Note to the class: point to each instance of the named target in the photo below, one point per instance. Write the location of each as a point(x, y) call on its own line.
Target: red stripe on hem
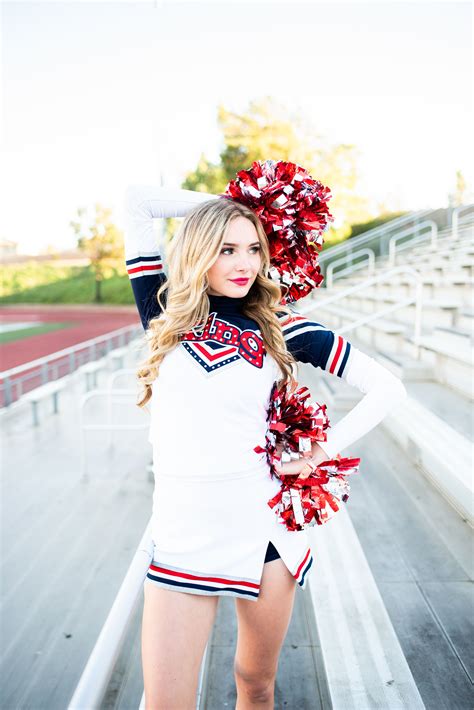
point(186, 575)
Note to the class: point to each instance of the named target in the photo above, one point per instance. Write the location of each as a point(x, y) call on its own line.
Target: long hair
point(192, 252)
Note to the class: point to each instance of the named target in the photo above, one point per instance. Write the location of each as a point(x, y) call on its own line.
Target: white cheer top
point(211, 397)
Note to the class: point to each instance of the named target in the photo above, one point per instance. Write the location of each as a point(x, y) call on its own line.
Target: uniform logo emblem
point(219, 343)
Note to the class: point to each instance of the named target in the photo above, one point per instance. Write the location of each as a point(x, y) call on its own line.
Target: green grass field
point(13, 335)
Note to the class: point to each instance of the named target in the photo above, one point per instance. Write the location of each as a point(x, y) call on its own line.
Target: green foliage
point(361, 227)
point(46, 283)
point(459, 196)
point(101, 241)
point(207, 177)
point(21, 277)
point(266, 129)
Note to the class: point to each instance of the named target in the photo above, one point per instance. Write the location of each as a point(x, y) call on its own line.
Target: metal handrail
point(40, 366)
point(110, 386)
point(379, 235)
point(109, 393)
point(455, 217)
point(329, 279)
point(354, 267)
point(95, 678)
point(445, 245)
point(392, 245)
point(417, 299)
point(371, 234)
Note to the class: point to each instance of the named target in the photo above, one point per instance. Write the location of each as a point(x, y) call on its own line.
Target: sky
point(99, 95)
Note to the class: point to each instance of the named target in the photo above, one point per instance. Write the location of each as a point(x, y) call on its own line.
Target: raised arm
point(143, 203)
point(312, 342)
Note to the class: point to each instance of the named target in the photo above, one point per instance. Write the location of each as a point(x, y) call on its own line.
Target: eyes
point(256, 248)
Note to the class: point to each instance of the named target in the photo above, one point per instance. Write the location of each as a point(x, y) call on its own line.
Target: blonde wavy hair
point(192, 252)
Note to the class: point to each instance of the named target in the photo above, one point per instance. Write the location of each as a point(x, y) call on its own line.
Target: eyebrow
point(230, 244)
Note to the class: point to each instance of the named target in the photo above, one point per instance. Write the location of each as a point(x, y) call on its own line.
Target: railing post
point(418, 314)
point(44, 373)
point(7, 388)
point(455, 222)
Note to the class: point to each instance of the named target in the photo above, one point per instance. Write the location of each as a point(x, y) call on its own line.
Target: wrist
point(318, 454)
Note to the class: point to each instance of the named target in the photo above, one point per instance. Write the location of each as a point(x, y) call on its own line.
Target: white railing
point(416, 298)
point(463, 227)
point(393, 244)
point(63, 362)
point(378, 233)
point(369, 262)
point(455, 217)
point(378, 238)
point(95, 678)
point(111, 380)
point(109, 425)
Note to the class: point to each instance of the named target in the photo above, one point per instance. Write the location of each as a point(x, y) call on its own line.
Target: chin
point(234, 290)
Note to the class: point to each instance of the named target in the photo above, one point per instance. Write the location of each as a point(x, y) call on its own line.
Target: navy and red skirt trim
point(193, 582)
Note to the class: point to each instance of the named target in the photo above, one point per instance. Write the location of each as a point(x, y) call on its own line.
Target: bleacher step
point(444, 455)
point(365, 664)
point(452, 407)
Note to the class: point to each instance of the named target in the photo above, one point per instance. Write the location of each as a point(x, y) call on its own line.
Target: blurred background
point(375, 100)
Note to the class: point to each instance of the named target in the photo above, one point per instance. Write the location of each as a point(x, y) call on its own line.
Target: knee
point(258, 686)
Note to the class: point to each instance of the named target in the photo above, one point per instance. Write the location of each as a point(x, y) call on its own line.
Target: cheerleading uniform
point(211, 524)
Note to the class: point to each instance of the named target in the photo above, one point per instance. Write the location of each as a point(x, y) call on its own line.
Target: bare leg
point(262, 628)
point(175, 630)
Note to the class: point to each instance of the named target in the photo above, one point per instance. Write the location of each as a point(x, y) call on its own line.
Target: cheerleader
point(219, 336)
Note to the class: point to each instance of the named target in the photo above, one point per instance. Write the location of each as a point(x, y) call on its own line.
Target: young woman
point(218, 339)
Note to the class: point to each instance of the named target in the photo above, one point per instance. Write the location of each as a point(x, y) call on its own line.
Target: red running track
point(88, 322)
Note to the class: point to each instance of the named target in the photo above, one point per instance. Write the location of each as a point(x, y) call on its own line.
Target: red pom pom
point(292, 207)
point(294, 423)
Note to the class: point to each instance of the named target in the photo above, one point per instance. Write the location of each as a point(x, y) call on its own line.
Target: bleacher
point(386, 619)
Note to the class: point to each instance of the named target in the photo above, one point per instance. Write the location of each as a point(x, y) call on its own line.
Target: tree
point(459, 196)
point(100, 240)
point(266, 129)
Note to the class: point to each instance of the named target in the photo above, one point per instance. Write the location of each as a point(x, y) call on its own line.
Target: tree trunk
point(98, 293)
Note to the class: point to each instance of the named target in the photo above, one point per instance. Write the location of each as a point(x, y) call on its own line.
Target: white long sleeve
point(384, 391)
point(143, 203)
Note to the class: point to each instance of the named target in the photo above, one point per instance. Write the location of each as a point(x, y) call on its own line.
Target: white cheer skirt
point(210, 535)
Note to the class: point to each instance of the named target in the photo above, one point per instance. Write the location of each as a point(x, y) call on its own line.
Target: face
point(239, 260)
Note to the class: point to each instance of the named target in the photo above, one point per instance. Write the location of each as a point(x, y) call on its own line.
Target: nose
point(244, 264)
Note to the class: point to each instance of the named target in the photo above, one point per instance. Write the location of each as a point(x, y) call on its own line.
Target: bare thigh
point(262, 625)
point(175, 630)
